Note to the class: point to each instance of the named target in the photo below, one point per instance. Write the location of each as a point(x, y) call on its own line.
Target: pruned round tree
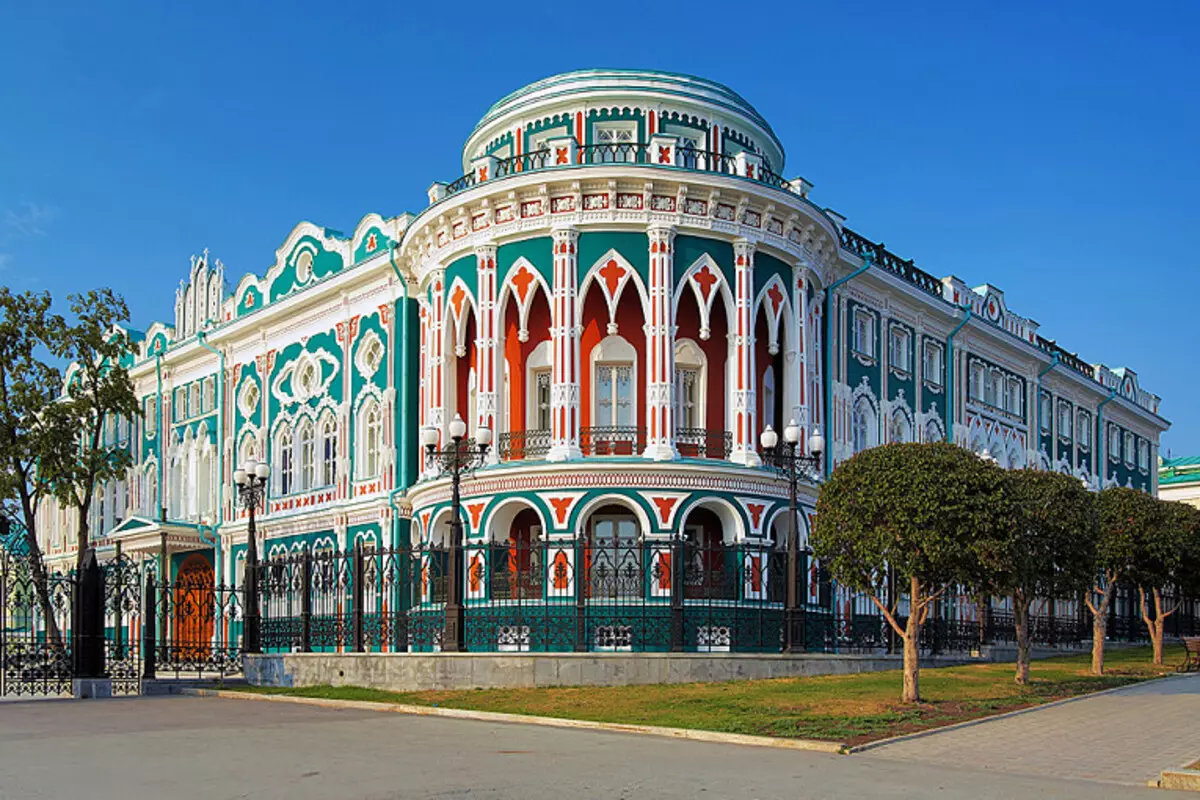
point(920, 510)
point(1049, 551)
point(1163, 568)
point(1127, 517)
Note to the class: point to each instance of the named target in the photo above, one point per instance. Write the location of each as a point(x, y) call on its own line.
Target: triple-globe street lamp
point(460, 458)
point(790, 465)
point(251, 481)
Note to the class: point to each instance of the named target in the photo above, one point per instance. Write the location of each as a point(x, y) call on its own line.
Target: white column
point(564, 335)
point(660, 347)
point(485, 344)
point(804, 414)
point(745, 415)
point(436, 346)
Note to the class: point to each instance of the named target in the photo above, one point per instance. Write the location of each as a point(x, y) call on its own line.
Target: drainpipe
point(1041, 375)
point(158, 427)
point(1101, 464)
point(203, 341)
point(828, 376)
point(950, 398)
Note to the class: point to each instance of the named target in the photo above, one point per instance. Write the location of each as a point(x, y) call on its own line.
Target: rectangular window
point(863, 341)
point(151, 422)
point(1083, 429)
point(1064, 420)
point(179, 412)
point(614, 395)
point(616, 143)
point(687, 402)
point(931, 367)
point(1045, 413)
point(1143, 455)
point(1129, 441)
point(975, 389)
point(1013, 402)
point(541, 399)
point(898, 349)
point(1114, 443)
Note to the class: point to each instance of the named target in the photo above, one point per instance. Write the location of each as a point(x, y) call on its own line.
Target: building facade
point(1179, 479)
point(626, 291)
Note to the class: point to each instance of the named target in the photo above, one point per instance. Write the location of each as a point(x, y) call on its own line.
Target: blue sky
point(1047, 148)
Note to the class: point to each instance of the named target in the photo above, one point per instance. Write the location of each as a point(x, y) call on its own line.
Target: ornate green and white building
point(625, 288)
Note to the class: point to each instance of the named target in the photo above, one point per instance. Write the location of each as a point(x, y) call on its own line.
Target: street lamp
point(251, 482)
point(790, 465)
point(461, 458)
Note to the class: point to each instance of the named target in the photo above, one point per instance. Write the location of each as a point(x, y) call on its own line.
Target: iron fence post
point(359, 594)
point(675, 570)
point(306, 603)
point(581, 578)
point(89, 619)
point(149, 631)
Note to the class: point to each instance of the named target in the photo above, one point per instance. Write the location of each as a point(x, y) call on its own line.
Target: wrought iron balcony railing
point(520, 445)
point(612, 440)
point(703, 443)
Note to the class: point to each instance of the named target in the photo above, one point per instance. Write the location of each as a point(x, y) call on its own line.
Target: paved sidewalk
point(1127, 736)
point(210, 749)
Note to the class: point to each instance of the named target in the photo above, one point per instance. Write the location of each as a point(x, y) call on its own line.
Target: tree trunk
point(912, 639)
point(81, 541)
point(1021, 621)
point(1155, 624)
point(37, 571)
point(1156, 630)
point(1099, 631)
point(1100, 622)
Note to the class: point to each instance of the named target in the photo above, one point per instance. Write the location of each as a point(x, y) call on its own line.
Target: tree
point(1048, 551)
point(1161, 564)
point(98, 394)
point(920, 509)
point(28, 436)
point(1126, 515)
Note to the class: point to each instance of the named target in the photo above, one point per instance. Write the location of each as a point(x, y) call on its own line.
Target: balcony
point(612, 440)
point(522, 445)
point(703, 443)
point(661, 151)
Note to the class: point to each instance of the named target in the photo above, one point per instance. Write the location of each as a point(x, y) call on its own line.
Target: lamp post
point(251, 481)
point(461, 458)
point(790, 465)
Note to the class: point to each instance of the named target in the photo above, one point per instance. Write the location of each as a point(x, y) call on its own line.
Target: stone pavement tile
point(1127, 736)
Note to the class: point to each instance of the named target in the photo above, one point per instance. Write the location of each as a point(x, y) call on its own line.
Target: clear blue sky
point(1050, 149)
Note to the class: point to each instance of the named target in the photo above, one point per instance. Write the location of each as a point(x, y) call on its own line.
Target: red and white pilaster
point(564, 335)
point(485, 343)
point(660, 347)
point(745, 416)
point(435, 393)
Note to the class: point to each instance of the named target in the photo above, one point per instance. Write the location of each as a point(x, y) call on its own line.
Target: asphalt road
point(209, 748)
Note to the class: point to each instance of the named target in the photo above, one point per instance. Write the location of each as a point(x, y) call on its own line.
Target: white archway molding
point(707, 282)
point(776, 526)
point(733, 526)
point(522, 284)
point(611, 274)
point(499, 520)
point(584, 513)
point(775, 299)
point(460, 309)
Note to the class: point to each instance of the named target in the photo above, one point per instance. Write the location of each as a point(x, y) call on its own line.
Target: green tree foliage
point(1049, 551)
point(1126, 518)
point(98, 393)
point(1163, 566)
point(28, 435)
point(920, 510)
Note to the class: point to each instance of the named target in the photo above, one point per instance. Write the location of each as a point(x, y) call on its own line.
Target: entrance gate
point(35, 630)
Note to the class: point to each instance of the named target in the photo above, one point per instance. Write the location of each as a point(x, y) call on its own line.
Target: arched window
point(328, 449)
point(150, 496)
point(769, 399)
point(307, 438)
point(247, 450)
point(933, 431)
point(285, 480)
point(901, 429)
point(690, 385)
point(615, 383)
point(204, 483)
point(863, 427)
point(371, 442)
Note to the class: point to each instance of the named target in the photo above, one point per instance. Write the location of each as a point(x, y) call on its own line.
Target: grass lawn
point(846, 708)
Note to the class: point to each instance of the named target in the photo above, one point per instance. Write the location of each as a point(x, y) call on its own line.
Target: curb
point(1187, 780)
point(521, 719)
point(862, 748)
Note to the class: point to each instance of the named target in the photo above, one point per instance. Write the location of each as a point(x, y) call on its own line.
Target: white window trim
point(689, 355)
point(540, 360)
point(614, 351)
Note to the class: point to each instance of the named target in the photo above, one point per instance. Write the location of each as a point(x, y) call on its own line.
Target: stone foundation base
point(91, 688)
